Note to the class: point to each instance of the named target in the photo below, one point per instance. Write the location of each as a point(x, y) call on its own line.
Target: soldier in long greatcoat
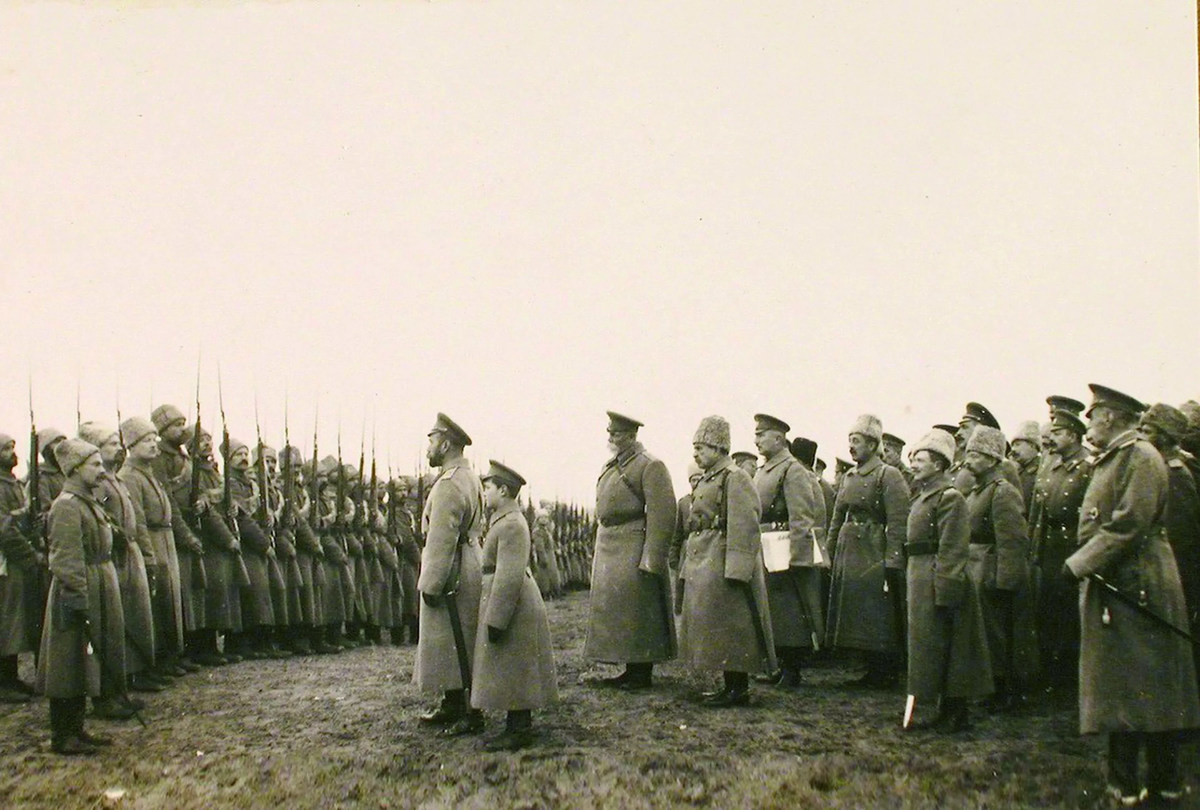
point(725, 623)
point(151, 499)
point(792, 502)
point(224, 567)
point(1054, 527)
point(1137, 679)
point(450, 581)
point(22, 562)
point(1000, 557)
point(173, 468)
point(258, 552)
point(129, 537)
point(1164, 426)
point(514, 658)
point(83, 632)
point(334, 561)
point(947, 643)
point(866, 542)
point(630, 609)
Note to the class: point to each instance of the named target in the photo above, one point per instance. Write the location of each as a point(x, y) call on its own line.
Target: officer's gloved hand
point(496, 634)
point(430, 599)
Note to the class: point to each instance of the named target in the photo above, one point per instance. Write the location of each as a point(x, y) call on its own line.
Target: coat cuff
point(739, 565)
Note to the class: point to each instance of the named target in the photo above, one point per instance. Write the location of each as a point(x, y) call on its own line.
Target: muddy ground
point(340, 731)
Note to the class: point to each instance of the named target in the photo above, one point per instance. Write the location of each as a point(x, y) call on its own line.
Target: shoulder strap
point(641, 498)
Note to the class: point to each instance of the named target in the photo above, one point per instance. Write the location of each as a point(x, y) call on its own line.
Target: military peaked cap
point(503, 474)
point(843, 465)
point(978, 413)
point(450, 429)
point(619, 423)
point(1058, 402)
point(891, 438)
point(744, 455)
point(1110, 398)
point(951, 429)
point(764, 422)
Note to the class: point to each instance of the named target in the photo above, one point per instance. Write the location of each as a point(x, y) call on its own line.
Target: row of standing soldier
point(210, 566)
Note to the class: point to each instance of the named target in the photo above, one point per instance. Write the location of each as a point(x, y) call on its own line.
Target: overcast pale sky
point(526, 213)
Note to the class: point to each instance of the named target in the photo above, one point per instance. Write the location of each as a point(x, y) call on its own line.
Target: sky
point(527, 213)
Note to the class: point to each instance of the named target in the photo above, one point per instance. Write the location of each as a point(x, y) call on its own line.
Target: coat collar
point(988, 477)
point(867, 467)
point(75, 487)
point(784, 455)
point(623, 458)
point(1119, 442)
point(724, 464)
point(506, 509)
point(935, 487)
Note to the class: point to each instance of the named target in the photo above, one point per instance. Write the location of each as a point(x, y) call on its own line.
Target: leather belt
point(608, 523)
point(157, 526)
point(919, 549)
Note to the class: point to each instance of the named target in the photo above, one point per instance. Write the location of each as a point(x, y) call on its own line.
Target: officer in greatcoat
point(1137, 679)
point(866, 542)
point(947, 643)
point(1000, 557)
point(630, 612)
point(725, 622)
point(1164, 426)
point(514, 657)
point(83, 632)
point(1054, 527)
point(792, 502)
point(450, 581)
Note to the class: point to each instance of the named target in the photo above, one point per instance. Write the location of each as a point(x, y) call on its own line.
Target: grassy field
point(340, 731)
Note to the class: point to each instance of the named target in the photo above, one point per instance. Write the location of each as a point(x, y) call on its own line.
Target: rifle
point(374, 483)
point(264, 502)
point(360, 518)
point(34, 515)
point(285, 515)
point(194, 454)
point(314, 516)
point(339, 507)
point(226, 469)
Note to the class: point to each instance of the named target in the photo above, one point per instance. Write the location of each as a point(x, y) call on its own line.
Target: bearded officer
point(792, 502)
point(451, 580)
point(630, 621)
point(1137, 679)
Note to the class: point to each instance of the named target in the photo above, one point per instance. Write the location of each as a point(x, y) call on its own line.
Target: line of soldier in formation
point(212, 566)
point(986, 568)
